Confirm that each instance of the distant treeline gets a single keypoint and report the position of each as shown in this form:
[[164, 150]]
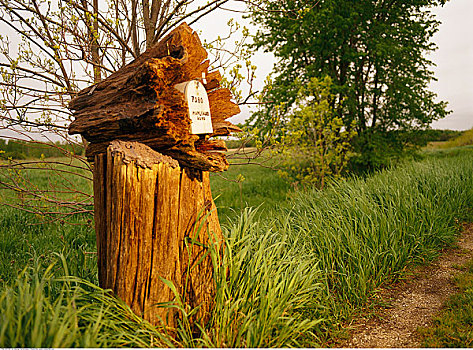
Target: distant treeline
[[27, 150], [414, 137], [16, 149], [422, 137], [231, 144]]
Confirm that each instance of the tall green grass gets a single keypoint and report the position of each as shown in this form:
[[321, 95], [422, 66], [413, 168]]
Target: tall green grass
[[268, 291], [265, 294], [23, 240], [288, 279], [49, 308], [365, 231]]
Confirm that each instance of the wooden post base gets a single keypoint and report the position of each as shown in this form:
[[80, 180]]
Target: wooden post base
[[148, 212]]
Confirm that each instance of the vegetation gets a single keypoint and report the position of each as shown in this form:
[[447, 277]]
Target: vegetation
[[254, 187], [314, 144], [16, 149], [375, 54], [422, 137], [52, 188], [288, 277], [49, 308], [464, 139], [453, 328], [49, 51], [240, 142], [350, 85]]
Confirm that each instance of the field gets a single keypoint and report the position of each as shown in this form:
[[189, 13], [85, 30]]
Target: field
[[298, 264]]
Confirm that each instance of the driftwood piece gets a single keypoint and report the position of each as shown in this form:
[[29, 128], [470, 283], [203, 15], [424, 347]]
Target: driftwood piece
[[148, 213], [139, 103]]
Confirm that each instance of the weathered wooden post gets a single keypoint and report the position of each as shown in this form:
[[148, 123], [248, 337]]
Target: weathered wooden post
[[149, 132]]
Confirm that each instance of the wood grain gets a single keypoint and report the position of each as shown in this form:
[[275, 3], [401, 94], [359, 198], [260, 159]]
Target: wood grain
[[154, 220]]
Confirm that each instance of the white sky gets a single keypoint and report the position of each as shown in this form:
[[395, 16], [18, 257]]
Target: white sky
[[454, 59]]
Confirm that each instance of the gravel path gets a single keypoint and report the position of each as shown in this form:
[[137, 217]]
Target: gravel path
[[414, 303]]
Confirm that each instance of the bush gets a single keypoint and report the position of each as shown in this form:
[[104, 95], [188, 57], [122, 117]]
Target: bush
[[315, 143]]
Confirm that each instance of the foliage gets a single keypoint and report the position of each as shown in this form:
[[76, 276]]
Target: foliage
[[240, 143], [53, 189], [375, 53], [383, 149], [235, 63], [315, 144], [52, 309], [465, 139], [24, 241], [255, 186], [268, 294], [366, 231], [422, 137], [264, 291], [29, 150], [453, 327]]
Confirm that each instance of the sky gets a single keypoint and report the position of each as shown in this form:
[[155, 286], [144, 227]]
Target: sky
[[453, 59]]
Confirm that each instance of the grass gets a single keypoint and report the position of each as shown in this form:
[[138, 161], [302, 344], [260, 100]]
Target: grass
[[268, 293], [291, 272], [22, 241], [243, 186], [464, 139], [265, 292], [49, 308], [369, 229], [453, 328]]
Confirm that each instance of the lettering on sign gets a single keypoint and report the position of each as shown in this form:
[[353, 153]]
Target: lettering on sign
[[199, 108]]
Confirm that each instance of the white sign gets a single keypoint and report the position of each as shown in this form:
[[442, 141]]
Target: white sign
[[199, 108]]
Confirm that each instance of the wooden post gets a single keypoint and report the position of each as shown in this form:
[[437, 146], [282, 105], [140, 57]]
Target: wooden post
[[149, 210], [154, 214]]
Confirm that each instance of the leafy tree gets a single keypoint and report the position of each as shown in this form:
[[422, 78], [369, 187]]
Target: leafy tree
[[315, 142], [375, 53]]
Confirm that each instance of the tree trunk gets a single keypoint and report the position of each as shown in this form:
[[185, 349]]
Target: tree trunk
[[154, 220]]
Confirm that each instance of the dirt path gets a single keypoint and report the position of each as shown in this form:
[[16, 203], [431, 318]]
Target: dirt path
[[414, 303]]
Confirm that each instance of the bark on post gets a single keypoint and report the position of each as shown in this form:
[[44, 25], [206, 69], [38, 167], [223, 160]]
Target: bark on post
[[154, 214]]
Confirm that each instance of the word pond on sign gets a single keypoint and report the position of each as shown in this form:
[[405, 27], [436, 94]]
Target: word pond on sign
[[199, 108]]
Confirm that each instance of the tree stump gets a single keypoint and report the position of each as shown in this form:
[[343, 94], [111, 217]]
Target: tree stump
[[154, 220]]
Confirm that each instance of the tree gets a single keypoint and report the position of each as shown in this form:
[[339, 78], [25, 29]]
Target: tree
[[375, 53], [315, 142], [59, 48]]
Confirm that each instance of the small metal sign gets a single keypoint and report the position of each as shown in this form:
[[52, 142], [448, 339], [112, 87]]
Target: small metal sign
[[199, 108]]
